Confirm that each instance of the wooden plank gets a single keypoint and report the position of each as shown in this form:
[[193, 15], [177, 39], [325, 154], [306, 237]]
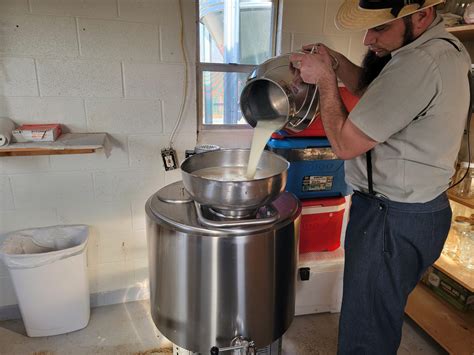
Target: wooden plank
[[38, 151], [469, 202], [456, 271], [452, 329], [463, 32]]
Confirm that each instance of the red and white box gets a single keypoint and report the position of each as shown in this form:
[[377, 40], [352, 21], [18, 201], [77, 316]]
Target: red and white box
[[321, 224], [37, 132]]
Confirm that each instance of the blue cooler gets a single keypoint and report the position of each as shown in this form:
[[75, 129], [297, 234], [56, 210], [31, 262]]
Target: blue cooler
[[315, 171]]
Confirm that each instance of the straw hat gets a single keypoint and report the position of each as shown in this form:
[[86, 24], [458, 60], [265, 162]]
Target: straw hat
[[355, 15]]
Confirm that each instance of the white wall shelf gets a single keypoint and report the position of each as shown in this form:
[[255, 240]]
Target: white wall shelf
[[68, 143]]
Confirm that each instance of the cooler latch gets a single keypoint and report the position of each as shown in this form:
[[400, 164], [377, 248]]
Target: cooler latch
[[304, 273]]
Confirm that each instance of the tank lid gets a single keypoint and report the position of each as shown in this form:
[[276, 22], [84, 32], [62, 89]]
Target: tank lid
[[172, 206], [174, 193]]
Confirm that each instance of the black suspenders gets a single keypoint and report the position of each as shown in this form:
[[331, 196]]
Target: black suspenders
[[368, 154]]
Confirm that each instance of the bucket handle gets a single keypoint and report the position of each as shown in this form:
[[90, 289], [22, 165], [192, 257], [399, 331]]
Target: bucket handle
[[297, 123]]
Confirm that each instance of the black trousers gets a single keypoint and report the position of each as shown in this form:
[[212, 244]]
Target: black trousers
[[388, 246]]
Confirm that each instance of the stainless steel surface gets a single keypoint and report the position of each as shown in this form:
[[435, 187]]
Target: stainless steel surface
[[175, 193], [271, 93], [234, 198], [208, 285], [206, 148], [269, 216]]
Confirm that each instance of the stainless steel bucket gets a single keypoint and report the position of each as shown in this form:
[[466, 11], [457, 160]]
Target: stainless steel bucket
[[271, 93], [212, 283]]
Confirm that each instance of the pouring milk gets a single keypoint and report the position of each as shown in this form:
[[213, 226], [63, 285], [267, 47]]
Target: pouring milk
[[261, 134]]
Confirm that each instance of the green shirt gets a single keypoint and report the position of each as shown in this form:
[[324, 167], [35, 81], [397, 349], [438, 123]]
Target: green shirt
[[416, 109]]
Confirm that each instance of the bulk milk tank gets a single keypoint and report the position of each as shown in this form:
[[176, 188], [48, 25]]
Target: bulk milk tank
[[223, 256]]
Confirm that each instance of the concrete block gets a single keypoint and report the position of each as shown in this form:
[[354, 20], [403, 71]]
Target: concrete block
[[304, 16], [145, 150], [113, 276], [6, 195], [24, 218], [127, 185], [124, 116], [138, 212], [45, 36], [140, 272], [12, 7], [118, 40], [74, 8], [67, 111], [339, 43], [148, 10], [163, 81], [18, 77], [52, 189], [170, 30], [81, 78], [23, 165], [112, 247], [107, 218], [331, 10], [92, 274]]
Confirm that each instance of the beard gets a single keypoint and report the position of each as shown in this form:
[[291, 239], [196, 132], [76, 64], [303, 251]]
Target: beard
[[373, 65]]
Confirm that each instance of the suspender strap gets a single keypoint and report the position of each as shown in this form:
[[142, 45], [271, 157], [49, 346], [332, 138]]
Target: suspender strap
[[368, 156]]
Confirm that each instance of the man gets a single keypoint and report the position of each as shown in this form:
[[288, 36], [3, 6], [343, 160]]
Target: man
[[414, 99]]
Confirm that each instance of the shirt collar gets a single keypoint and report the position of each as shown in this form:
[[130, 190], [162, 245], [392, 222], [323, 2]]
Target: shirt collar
[[435, 30]]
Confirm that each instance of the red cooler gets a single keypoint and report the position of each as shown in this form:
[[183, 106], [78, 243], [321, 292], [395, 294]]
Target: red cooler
[[321, 224]]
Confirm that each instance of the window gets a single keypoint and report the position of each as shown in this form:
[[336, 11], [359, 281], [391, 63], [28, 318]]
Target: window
[[234, 36]]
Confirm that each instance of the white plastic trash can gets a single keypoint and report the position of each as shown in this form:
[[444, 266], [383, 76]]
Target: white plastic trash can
[[48, 268]]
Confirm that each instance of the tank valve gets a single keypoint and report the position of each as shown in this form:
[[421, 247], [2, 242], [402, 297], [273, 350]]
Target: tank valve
[[238, 343]]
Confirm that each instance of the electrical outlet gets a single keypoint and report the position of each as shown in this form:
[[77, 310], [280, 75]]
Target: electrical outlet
[[170, 161]]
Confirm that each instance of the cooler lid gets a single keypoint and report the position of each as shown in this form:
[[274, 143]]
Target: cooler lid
[[299, 143], [172, 206], [324, 202], [321, 259]]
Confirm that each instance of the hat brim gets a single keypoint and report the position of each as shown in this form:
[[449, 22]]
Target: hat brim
[[351, 17]]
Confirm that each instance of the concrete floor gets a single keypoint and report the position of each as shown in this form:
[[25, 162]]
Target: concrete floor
[[128, 329]]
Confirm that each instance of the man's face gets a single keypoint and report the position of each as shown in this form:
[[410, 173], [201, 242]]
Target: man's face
[[381, 41], [384, 39]]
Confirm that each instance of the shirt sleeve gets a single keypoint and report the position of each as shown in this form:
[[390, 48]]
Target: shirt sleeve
[[403, 90]]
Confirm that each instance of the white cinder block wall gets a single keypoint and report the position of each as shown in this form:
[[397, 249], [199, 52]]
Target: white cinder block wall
[[111, 66]]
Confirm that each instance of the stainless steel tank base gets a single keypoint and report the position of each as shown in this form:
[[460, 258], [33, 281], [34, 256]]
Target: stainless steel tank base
[[212, 280], [272, 349]]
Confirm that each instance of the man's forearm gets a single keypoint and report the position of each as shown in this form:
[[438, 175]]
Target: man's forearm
[[333, 114], [347, 140], [348, 73]]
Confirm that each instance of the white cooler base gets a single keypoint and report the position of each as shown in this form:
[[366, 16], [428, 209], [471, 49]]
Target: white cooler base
[[322, 292]]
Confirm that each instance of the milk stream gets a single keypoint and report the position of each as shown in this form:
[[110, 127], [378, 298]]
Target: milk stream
[[261, 134]]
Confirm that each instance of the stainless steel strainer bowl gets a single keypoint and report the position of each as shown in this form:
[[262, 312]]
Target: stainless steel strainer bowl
[[234, 198]]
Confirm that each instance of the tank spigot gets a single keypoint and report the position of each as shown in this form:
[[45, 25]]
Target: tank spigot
[[238, 343]]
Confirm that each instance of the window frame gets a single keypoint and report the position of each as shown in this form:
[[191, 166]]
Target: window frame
[[225, 68]]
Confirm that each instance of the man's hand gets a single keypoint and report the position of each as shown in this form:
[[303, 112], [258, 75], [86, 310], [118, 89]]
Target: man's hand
[[316, 67]]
